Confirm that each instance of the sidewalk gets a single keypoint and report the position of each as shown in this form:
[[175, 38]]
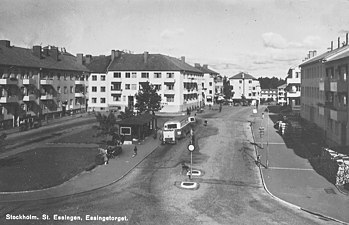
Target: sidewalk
[[290, 176], [99, 177]]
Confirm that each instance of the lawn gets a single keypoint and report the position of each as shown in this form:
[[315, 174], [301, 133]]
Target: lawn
[[87, 136], [43, 167]]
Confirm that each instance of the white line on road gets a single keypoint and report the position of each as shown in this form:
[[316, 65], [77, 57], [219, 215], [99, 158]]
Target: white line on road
[[285, 168]]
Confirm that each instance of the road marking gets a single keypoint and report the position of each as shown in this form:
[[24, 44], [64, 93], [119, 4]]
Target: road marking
[[274, 143], [285, 168]]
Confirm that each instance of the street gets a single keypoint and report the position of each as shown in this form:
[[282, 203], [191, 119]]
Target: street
[[231, 190]]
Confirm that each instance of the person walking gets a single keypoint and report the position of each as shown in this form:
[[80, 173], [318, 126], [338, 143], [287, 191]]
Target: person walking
[[135, 151]]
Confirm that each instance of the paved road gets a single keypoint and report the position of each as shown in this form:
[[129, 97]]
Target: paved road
[[230, 192]]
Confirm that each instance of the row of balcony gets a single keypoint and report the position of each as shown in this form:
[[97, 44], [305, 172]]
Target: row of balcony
[[30, 81], [333, 85], [31, 97]]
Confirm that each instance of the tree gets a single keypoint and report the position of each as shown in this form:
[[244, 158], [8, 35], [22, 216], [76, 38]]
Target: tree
[[127, 114], [226, 88], [107, 126], [148, 100]]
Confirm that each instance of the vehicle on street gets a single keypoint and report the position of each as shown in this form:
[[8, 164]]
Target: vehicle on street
[[174, 130]]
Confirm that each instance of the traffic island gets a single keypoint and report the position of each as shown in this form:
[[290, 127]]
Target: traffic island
[[187, 185], [195, 173]]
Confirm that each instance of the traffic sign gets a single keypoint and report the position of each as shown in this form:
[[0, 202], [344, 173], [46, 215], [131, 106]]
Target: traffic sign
[[191, 147]]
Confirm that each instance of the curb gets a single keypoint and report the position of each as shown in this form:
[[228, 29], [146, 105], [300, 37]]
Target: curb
[[285, 202], [82, 192]]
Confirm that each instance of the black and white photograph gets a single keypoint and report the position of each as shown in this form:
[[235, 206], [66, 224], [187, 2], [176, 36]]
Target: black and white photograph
[[174, 112]]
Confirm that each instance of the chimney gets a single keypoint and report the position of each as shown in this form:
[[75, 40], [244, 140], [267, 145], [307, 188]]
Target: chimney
[[339, 42], [117, 53], [5, 43], [314, 53], [54, 52], [45, 50], [346, 39], [205, 66], [88, 59], [145, 56], [183, 59], [112, 55], [331, 45], [197, 65], [79, 58], [37, 51]]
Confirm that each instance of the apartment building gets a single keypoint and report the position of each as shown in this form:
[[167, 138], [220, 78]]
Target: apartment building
[[324, 99], [177, 82], [212, 84], [281, 96], [293, 88], [244, 84], [269, 95], [39, 82]]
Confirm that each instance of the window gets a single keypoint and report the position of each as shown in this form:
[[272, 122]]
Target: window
[[210, 84], [71, 102], [134, 87], [71, 89], [210, 91], [102, 100], [170, 98], [127, 75], [157, 87], [134, 75], [102, 77], [145, 75], [65, 76], [59, 89], [127, 86], [157, 75], [94, 89], [170, 75], [58, 76], [116, 98], [102, 89], [170, 87], [250, 81], [71, 77], [94, 100], [94, 77], [240, 81], [65, 90], [117, 75], [125, 130]]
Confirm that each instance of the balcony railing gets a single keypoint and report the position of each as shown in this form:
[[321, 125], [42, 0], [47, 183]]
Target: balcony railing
[[29, 81], [8, 81], [116, 90], [339, 86], [28, 98], [46, 82], [46, 97], [79, 95], [81, 82], [8, 99], [340, 116]]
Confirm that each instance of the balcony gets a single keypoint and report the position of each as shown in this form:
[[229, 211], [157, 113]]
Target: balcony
[[170, 80], [321, 86], [29, 81], [169, 91], [339, 115], [8, 81], [79, 82], [339, 86], [46, 97], [295, 94], [8, 99], [46, 82], [29, 98], [116, 90], [79, 95]]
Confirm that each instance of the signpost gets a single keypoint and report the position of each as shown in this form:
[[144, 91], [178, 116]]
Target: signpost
[[191, 148]]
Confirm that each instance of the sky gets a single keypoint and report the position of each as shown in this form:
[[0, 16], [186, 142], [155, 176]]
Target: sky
[[261, 37]]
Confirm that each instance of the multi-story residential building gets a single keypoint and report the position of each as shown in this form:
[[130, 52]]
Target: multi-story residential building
[[176, 81], [269, 95], [212, 84], [244, 84], [281, 98], [324, 99], [293, 88], [38, 82]]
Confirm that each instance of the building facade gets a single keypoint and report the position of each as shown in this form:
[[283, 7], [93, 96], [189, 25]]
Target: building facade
[[269, 95], [39, 82], [293, 88], [281, 96], [324, 99], [178, 83], [243, 84]]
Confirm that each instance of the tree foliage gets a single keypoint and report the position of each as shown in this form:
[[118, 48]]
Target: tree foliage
[[226, 88], [127, 114], [107, 125], [270, 83], [148, 100]]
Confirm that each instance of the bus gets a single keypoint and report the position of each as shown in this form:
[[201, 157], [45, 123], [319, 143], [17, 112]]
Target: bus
[[174, 130]]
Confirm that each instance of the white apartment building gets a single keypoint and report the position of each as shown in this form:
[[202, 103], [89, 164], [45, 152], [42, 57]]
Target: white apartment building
[[176, 81], [269, 94], [293, 88], [281, 99], [244, 84]]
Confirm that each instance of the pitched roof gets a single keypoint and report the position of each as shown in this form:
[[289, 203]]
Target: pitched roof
[[23, 57], [340, 55], [99, 64], [207, 70], [242, 75], [324, 56], [155, 62], [137, 120]]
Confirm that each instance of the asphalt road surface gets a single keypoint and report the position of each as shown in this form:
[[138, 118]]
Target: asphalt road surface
[[230, 192]]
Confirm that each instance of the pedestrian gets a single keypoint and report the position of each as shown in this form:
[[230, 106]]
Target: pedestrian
[[258, 160], [122, 139], [262, 115], [135, 151]]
